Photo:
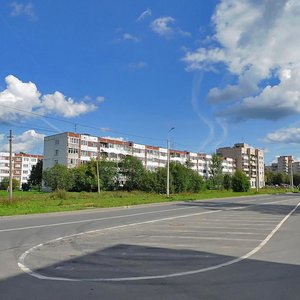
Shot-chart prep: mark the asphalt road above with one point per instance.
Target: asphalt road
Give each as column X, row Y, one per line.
column 241, row 248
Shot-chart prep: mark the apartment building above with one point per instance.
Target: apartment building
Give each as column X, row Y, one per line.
column 72, row 149
column 22, row 165
column 247, row 159
column 296, row 167
column 284, row 164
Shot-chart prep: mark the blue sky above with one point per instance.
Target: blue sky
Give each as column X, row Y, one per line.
column 220, row 72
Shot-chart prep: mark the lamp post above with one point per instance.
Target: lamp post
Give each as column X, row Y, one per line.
column 168, row 163
column 292, row 179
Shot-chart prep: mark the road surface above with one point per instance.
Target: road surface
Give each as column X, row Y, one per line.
column 234, row 248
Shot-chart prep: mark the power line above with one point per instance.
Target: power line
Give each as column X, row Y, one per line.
column 81, row 124
column 76, row 124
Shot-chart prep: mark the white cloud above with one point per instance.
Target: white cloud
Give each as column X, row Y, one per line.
column 20, row 99
column 100, row 99
column 144, row 14
column 129, row 37
column 257, row 41
column 57, row 103
column 28, row 142
column 138, row 66
column 284, row 136
column 162, row 27
column 19, row 9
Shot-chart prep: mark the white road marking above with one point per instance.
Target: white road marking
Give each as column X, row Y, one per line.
column 24, row 268
column 199, row 238
column 240, row 220
column 93, row 220
column 136, row 214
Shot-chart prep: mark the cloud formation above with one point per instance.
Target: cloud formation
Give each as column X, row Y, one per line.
column 20, row 100
column 257, row 41
column 162, row 26
column 138, row 66
column 129, row 37
column 144, row 14
column 284, row 136
column 29, row 141
column 19, row 9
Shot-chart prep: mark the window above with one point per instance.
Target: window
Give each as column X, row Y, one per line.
column 24, row 178
column 26, row 159
column 56, row 142
column 56, row 162
column 73, row 151
column 33, row 160
column 74, row 140
column 18, row 159
column 84, row 143
column 84, row 153
column 56, row 152
column 94, row 144
column 25, row 166
column 17, row 166
column 25, row 172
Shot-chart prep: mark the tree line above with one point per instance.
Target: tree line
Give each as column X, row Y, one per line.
column 129, row 174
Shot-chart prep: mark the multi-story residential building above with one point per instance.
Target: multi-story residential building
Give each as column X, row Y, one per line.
column 72, row 149
column 284, row 164
column 247, row 159
column 22, row 165
column 296, row 167
column 273, row 168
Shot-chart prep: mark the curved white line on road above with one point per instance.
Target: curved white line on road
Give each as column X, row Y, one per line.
column 118, row 217
column 24, row 268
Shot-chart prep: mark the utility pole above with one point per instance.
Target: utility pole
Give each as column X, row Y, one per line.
column 257, row 171
column 292, row 179
column 98, row 177
column 168, row 163
column 10, row 167
column 168, row 168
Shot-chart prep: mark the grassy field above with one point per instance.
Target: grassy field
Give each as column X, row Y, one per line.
column 39, row 202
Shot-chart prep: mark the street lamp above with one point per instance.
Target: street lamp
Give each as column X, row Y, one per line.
column 168, row 163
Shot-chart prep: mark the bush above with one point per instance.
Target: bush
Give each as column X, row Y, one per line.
column 240, row 182
column 227, row 182
column 59, row 177
column 5, row 183
column 26, row 187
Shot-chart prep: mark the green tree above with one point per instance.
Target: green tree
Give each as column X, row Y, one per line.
column 132, row 170
column 227, row 182
column 216, row 171
column 108, row 173
column 59, row 177
column 240, row 182
column 5, row 183
column 269, row 178
column 150, row 182
column 161, row 178
column 36, row 175
column 296, row 179
column 84, row 178
column 280, row 178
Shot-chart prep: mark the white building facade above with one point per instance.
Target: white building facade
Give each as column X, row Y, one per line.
column 72, row 149
column 22, row 165
column 247, row 159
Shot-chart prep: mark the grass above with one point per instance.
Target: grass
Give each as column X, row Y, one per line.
column 40, row 202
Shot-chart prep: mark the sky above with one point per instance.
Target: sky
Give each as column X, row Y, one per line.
column 219, row 72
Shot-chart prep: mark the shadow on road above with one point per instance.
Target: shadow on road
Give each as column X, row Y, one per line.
column 274, row 209
column 249, row 279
